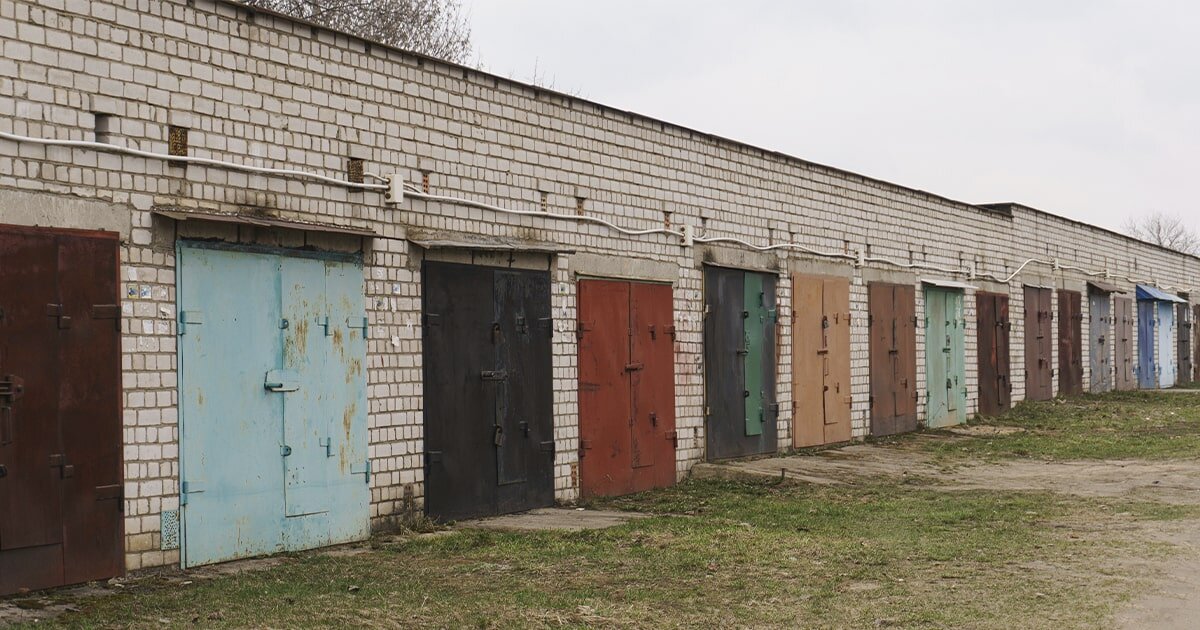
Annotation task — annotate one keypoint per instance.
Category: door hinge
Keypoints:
(187, 318)
(431, 319)
(327, 444)
(674, 437)
(433, 457)
(584, 445)
(547, 446)
(359, 322)
(189, 487)
(364, 470)
(108, 311)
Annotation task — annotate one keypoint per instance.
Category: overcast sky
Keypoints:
(1088, 109)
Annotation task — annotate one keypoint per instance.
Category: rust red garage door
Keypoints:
(489, 431)
(1038, 370)
(820, 360)
(1123, 318)
(626, 387)
(893, 350)
(995, 387)
(1070, 347)
(60, 408)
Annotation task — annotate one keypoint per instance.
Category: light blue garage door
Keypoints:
(273, 422)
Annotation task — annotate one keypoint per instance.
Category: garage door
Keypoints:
(273, 423)
(60, 408)
(489, 429)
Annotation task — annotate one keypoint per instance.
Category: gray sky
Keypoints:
(1088, 109)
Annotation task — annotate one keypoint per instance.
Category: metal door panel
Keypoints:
(30, 494)
(994, 386)
(1147, 369)
(893, 358)
(89, 394)
(606, 467)
(1166, 345)
(809, 356)
(460, 405)
(1100, 348)
(937, 358)
(1070, 352)
(905, 312)
(653, 385)
(1183, 322)
(306, 423)
(230, 424)
(754, 329)
(524, 407)
(836, 334)
(763, 315)
(724, 363)
(1125, 372)
(1038, 370)
(956, 395)
(348, 472)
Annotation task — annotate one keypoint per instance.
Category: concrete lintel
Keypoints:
(620, 267)
(41, 209)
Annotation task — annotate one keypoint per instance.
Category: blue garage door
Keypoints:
(273, 424)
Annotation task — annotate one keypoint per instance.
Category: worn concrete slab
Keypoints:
(554, 519)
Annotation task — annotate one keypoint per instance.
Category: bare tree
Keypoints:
(1166, 230)
(437, 28)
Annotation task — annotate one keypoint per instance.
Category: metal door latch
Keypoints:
(493, 375)
(498, 436)
(285, 450)
(11, 388)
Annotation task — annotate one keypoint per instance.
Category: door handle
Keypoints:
(498, 436)
(281, 381)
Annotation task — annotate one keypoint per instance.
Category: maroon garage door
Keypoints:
(60, 408)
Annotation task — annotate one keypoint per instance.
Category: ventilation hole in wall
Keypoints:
(177, 141)
(580, 205)
(103, 127)
(666, 219)
(354, 170)
(425, 181)
(545, 202)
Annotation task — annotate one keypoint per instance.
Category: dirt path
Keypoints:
(1172, 602)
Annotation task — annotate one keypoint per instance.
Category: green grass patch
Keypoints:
(716, 554)
(1119, 425)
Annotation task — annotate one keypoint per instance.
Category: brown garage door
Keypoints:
(1038, 370)
(995, 387)
(626, 387)
(60, 408)
(893, 350)
(1070, 348)
(820, 360)
(1123, 317)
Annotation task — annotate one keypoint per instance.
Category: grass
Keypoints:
(717, 554)
(1118, 425)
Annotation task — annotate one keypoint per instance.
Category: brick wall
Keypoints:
(262, 90)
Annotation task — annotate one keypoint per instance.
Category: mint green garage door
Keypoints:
(945, 357)
(273, 422)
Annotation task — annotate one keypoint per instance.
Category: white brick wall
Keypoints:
(261, 90)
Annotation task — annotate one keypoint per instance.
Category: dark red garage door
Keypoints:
(60, 408)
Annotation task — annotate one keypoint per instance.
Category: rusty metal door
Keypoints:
(995, 387)
(739, 352)
(820, 360)
(1038, 370)
(605, 458)
(1070, 350)
(893, 358)
(488, 390)
(1099, 347)
(60, 408)
(1126, 377)
(1184, 322)
(652, 363)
